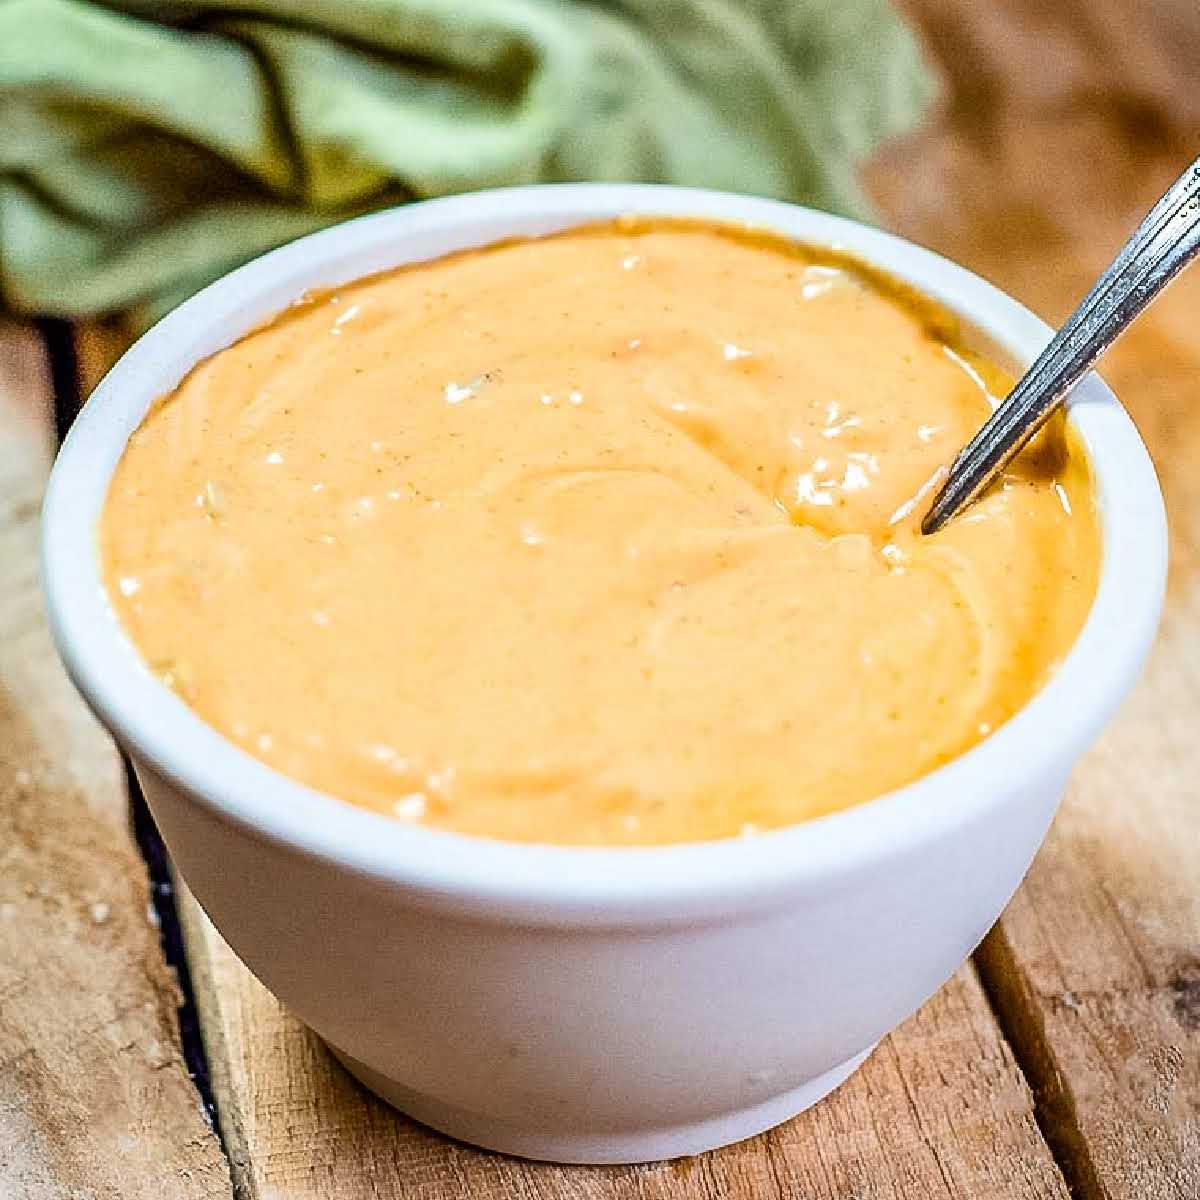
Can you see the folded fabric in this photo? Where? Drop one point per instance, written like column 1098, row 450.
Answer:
column 146, row 148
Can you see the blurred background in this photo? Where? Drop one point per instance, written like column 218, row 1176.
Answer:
column 148, row 147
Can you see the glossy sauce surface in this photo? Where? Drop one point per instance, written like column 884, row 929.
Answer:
column 609, row 537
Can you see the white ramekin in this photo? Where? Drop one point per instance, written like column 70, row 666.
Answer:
column 605, row 1005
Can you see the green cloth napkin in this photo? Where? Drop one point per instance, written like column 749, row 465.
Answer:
column 147, row 148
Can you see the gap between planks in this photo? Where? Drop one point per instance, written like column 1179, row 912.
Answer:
column 95, row 1101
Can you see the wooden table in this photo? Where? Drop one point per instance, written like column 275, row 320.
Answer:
column 1064, row 1059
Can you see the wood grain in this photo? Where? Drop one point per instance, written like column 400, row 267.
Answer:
column 939, row 1111
column 1062, row 124
column 94, row 1098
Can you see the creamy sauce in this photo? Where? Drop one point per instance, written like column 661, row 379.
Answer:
column 609, row 537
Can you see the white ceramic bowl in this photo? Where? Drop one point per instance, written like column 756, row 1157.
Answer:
column 604, row 1005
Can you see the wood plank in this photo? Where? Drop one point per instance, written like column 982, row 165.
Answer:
column 94, row 1097
column 939, row 1111
column 1061, row 126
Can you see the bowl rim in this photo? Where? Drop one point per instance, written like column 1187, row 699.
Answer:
column 587, row 885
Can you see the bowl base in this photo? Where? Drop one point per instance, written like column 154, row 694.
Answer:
column 639, row 1146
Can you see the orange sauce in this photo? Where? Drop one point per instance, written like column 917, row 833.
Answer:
column 609, row 537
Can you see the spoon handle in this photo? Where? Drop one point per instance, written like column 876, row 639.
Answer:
column 1164, row 243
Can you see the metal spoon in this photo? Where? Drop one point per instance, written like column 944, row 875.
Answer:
column 1165, row 242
